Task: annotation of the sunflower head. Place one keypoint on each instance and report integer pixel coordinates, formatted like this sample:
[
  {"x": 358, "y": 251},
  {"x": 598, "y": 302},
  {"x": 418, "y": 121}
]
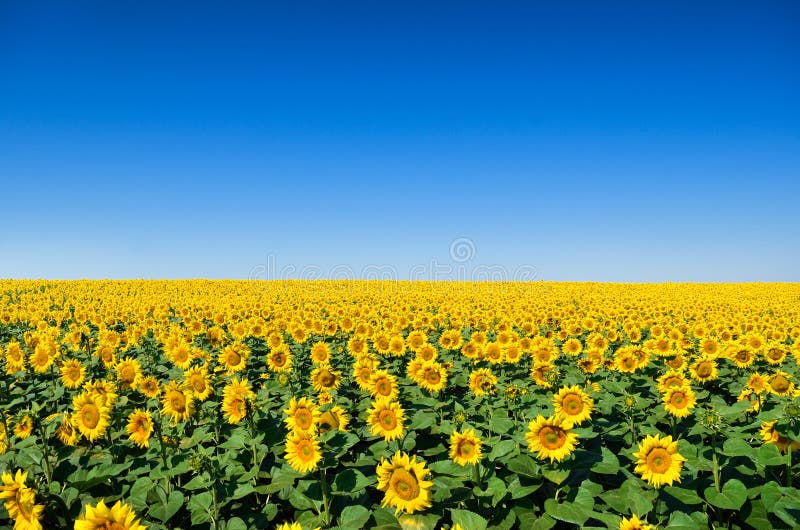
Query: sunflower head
[
  {"x": 658, "y": 461},
  {"x": 403, "y": 481}
]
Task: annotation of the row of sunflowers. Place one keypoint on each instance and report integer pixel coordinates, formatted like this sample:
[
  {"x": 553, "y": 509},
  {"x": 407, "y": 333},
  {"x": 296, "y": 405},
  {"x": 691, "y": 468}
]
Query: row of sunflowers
[{"x": 398, "y": 405}]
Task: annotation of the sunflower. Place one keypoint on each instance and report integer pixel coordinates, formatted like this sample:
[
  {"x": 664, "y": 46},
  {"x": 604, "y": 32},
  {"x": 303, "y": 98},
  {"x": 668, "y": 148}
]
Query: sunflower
[
  {"x": 302, "y": 451},
  {"x": 414, "y": 369},
  {"x": 24, "y": 428},
  {"x": 198, "y": 380},
  {"x": 482, "y": 382},
  {"x": 66, "y": 431},
  {"x": 302, "y": 416},
  {"x": 233, "y": 358},
  {"x": 90, "y": 416},
  {"x": 658, "y": 461},
  {"x": 572, "y": 347},
  {"x": 20, "y": 502},
  {"x": 236, "y": 396},
  {"x": 432, "y": 376},
  {"x": 415, "y": 340},
  {"x": 128, "y": 373},
  {"x": 743, "y": 357},
  {"x": 550, "y": 438},
  {"x": 320, "y": 353},
  {"x": 704, "y": 369},
  {"x": 625, "y": 361},
  {"x": 465, "y": 447},
  {"x": 15, "y": 358},
  {"x": 572, "y": 406},
  {"x": 333, "y": 418},
  {"x": 540, "y": 373},
  {"x": 671, "y": 379},
  {"x": 180, "y": 355},
  {"x": 362, "y": 373},
  {"x": 386, "y": 419},
  {"x": 753, "y": 397},
  {"x": 775, "y": 353},
  {"x": 780, "y": 384},
  {"x": 149, "y": 387},
  {"x": 101, "y": 517},
  {"x": 770, "y": 435},
  {"x": 402, "y": 479},
  {"x": 72, "y": 373},
  {"x": 140, "y": 427},
  {"x": 42, "y": 358},
  {"x": 679, "y": 401},
  {"x": 634, "y": 523},
  {"x": 104, "y": 392},
  {"x": 280, "y": 359},
  {"x": 493, "y": 352},
  {"x": 758, "y": 382},
  {"x": 324, "y": 378},
  {"x": 177, "y": 401},
  {"x": 384, "y": 385}
]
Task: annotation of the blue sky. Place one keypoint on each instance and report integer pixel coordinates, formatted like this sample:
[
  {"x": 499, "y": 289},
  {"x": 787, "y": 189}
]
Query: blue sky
[{"x": 614, "y": 141}]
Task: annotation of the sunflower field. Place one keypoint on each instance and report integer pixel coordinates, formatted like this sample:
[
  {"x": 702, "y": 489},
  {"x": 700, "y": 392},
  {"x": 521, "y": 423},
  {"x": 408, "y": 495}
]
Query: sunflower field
[{"x": 344, "y": 405}]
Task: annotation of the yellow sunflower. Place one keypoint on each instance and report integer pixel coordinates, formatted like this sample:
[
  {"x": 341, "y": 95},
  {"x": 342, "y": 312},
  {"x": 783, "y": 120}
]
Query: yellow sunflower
[
  {"x": 770, "y": 435},
  {"x": 333, "y": 418},
  {"x": 704, "y": 369},
  {"x": 101, "y": 517},
  {"x": 104, "y": 392},
  {"x": 177, "y": 401},
  {"x": 302, "y": 416},
  {"x": 780, "y": 384},
  {"x": 42, "y": 358},
  {"x": 482, "y": 382},
  {"x": 128, "y": 372},
  {"x": 15, "y": 358},
  {"x": 386, "y": 419},
  {"x": 658, "y": 461},
  {"x": 72, "y": 373},
  {"x": 24, "y": 427},
  {"x": 149, "y": 387},
  {"x": 679, "y": 401},
  {"x": 324, "y": 378},
  {"x": 279, "y": 359},
  {"x": 66, "y": 431},
  {"x": 302, "y": 451},
  {"x": 140, "y": 427},
  {"x": 671, "y": 379},
  {"x": 235, "y": 398},
  {"x": 432, "y": 376},
  {"x": 465, "y": 447},
  {"x": 20, "y": 502},
  {"x": 384, "y": 385},
  {"x": 320, "y": 353},
  {"x": 572, "y": 406},
  {"x": 402, "y": 479},
  {"x": 634, "y": 523},
  {"x": 550, "y": 438},
  {"x": 199, "y": 381},
  {"x": 233, "y": 358},
  {"x": 90, "y": 416}
]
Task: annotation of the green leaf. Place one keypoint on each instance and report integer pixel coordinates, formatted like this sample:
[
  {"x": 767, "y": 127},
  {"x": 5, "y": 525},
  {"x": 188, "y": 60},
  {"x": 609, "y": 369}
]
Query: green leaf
[
  {"x": 769, "y": 455},
  {"x": 354, "y": 517},
  {"x": 686, "y": 496},
  {"x": 468, "y": 519},
  {"x": 609, "y": 465},
  {"x": 351, "y": 481},
  {"x": 737, "y": 447},
  {"x": 524, "y": 465},
  {"x": 198, "y": 506},
  {"x": 569, "y": 512},
  {"x": 732, "y": 496},
  {"x": 681, "y": 521},
  {"x": 165, "y": 510},
  {"x": 235, "y": 524},
  {"x": 137, "y": 496},
  {"x": 501, "y": 449}
]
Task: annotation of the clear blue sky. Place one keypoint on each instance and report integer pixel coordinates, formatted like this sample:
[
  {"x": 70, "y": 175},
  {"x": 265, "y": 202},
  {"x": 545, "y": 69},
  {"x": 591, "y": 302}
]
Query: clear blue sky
[{"x": 618, "y": 141}]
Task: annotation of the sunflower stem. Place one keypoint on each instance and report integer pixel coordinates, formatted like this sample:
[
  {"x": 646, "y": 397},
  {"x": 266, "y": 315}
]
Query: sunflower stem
[
  {"x": 714, "y": 460},
  {"x": 789, "y": 464},
  {"x": 48, "y": 466},
  {"x": 325, "y": 502}
]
